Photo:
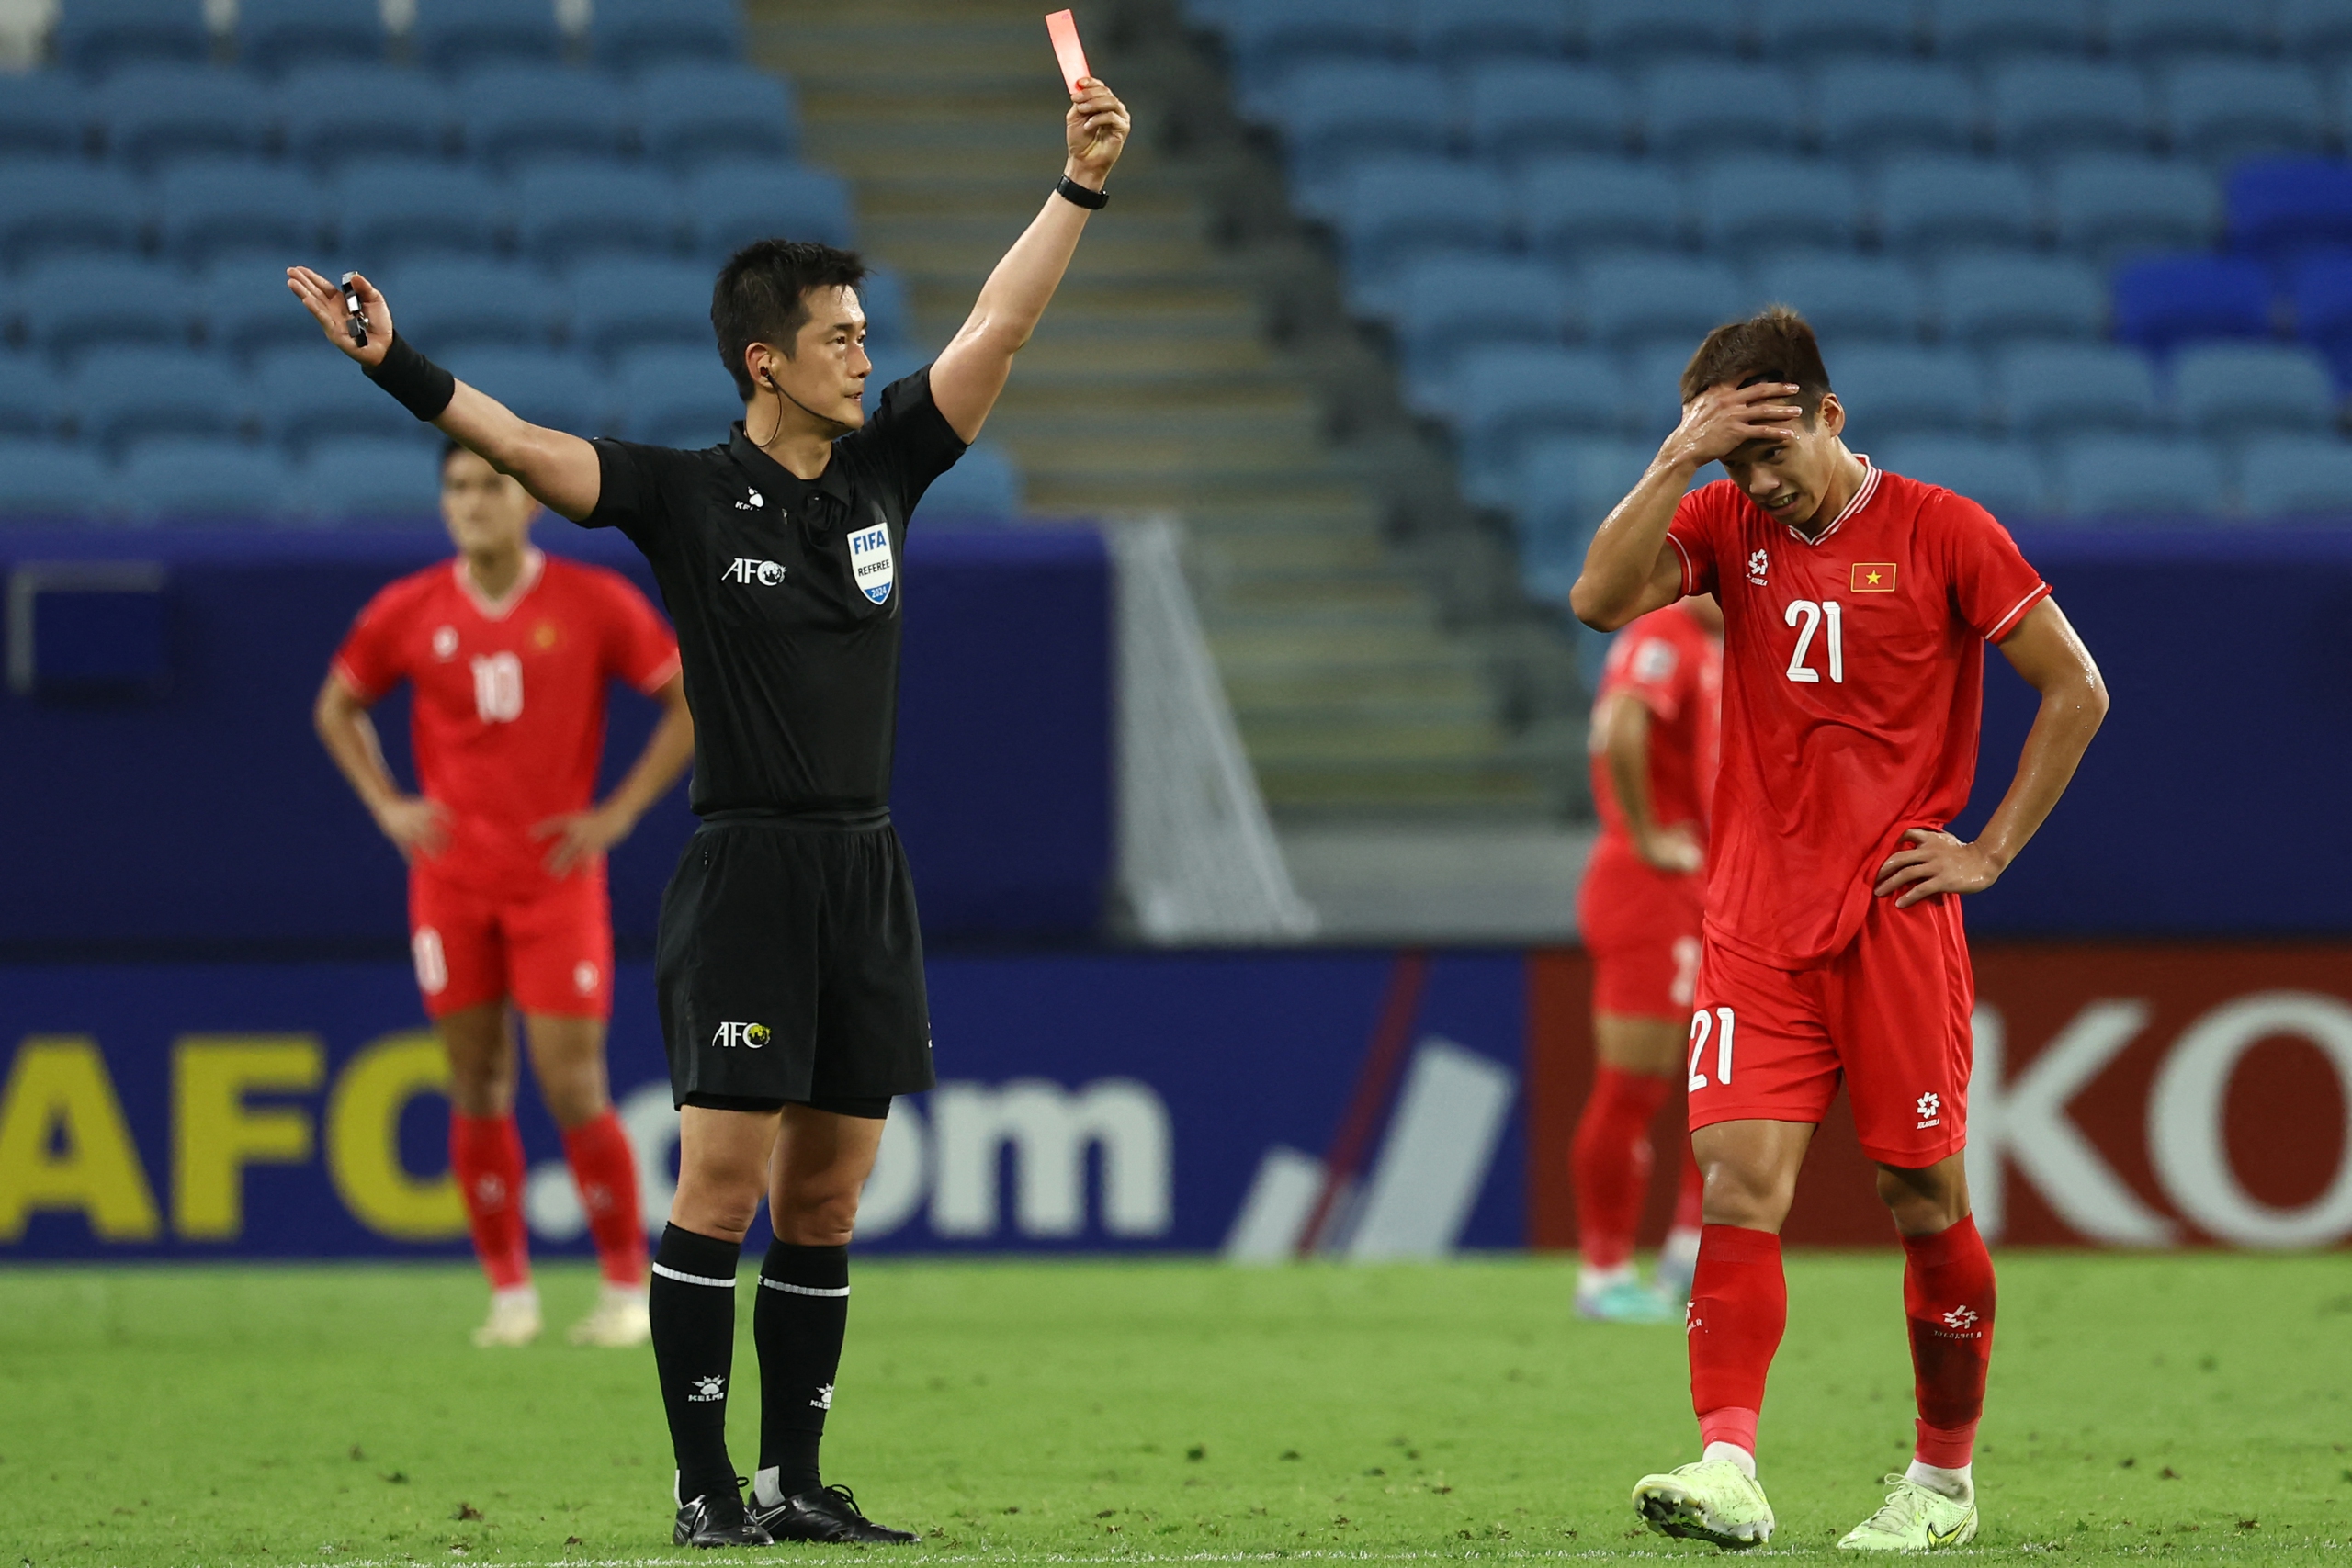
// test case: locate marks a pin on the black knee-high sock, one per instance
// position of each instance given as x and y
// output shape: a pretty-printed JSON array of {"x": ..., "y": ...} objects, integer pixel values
[
  {"x": 797, "y": 1325},
  {"x": 691, "y": 1299}
]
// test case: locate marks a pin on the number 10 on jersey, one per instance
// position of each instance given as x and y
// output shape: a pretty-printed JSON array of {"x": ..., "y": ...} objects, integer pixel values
[{"x": 1829, "y": 615}]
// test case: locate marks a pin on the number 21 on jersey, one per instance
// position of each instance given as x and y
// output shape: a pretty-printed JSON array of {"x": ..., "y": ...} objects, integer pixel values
[
  {"x": 1829, "y": 616},
  {"x": 1703, "y": 1024}
]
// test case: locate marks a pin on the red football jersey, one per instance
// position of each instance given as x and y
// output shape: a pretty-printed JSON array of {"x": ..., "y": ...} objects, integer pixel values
[
  {"x": 1668, "y": 662},
  {"x": 508, "y": 712},
  {"x": 1853, "y": 695}
]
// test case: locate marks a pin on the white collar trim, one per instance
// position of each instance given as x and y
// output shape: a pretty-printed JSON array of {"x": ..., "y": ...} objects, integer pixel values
[
  {"x": 533, "y": 564},
  {"x": 1862, "y": 493}
]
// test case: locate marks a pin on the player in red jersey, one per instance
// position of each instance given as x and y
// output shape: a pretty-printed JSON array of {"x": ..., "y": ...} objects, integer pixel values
[
  {"x": 1855, "y": 603},
  {"x": 1654, "y": 739},
  {"x": 507, "y": 653}
]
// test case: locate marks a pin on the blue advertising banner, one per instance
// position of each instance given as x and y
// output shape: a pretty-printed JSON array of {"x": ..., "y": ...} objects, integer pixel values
[{"x": 1086, "y": 1103}]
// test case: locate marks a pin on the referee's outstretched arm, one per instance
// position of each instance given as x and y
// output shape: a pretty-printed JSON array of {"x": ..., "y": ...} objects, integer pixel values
[
  {"x": 558, "y": 468},
  {"x": 970, "y": 371}
]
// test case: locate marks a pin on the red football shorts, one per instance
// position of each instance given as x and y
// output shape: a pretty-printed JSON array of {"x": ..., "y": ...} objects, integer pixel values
[
  {"x": 552, "y": 953},
  {"x": 1641, "y": 926},
  {"x": 1890, "y": 1014}
]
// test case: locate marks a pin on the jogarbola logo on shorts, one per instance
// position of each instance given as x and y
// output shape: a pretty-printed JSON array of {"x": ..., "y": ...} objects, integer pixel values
[
  {"x": 751, "y": 1036},
  {"x": 869, "y": 559}
]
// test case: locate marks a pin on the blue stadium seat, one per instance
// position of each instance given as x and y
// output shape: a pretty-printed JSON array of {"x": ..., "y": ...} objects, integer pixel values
[
  {"x": 45, "y": 114},
  {"x": 2107, "y": 204},
  {"x": 890, "y": 315},
  {"x": 617, "y": 305},
  {"x": 562, "y": 391},
  {"x": 451, "y": 302},
  {"x": 1755, "y": 206},
  {"x": 157, "y": 113},
  {"x": 1399, "y": 208},
  {"x": 395, "y": 208},
  {"x": 2140, "y": 477},
  {"x": 1633, "y": 300},
  {"x": 729, "y": 205},
  {"x": 696, "y": 113},
  {"x": 1977, "y": 30},
  {"x": 1623, "y": 31},
  {"x": 1577, "y": 206},
  {"x": 2280, "y": 206},
  {"x": 1532, "y": 110},
  {"x": 371, "y": 480},
  {"x": 2046, "y": 108},
  {"x": 2232, "y": 390},
  {"x": 464, "y": 35},
  {"x": 122, "y": 393},
  {"x": 310, "y": 393},
  {"x": 230, "y": 203},
  {"x": 1450, "y": 305},
  {"x": 71, "y": 306},
  {"x": 2005, "y": 477},
  {"x": 568, "y": 210},
  {"x": 2286, "y": 476},
  {"x": 678, "y": 397},
  {"x": 1453, "y": 32},
  {"x": 2165, "y": 300},
  {"x": 2315, "y": 30},
  {"x": 631, "y": 35},
  {"x": 514, "y": 113},
  {"x": 2052, "y": 391},
  {"x": 96, "y": 36},
  {"x": 1653, "y": 385},
  {"x": 1505, "y": 400},
  {"x": 2164, "y": 29},
  {"x": 333, "y": 114},
  {"x": 32, "y": 399},
  {"x": 2320, "y": 295},
  {"x": 1822, "y": 29},
  {"x": 1940, "y": 205},
  {"x": 1697, "y": 107},
  {"x": 49, "y": 206},
  {"x": 1566, "y": 487},
  {"x": 190, "y": 480},
  {"x": 279, "y": 35},
  {"x": 1337, "y": 116},
  {"x": 40, "y": 481},
  {"x": 2222, "y": 110},
  {"x": 242, "y": 304},
  {"x": 1990, "y": 300},
  {"x": 1268, "y": 41},
  {"x": 983, "y": 486},
  {"x": 1891, "y": 389},
  {"x": 1879, "y": 108},
  {"x": 1848, "y": 299}
]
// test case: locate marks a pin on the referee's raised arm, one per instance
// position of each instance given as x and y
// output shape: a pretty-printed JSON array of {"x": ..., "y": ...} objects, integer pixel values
[
  {"x": 970, "y": 371},
  {"x": 559, "y": 469}
]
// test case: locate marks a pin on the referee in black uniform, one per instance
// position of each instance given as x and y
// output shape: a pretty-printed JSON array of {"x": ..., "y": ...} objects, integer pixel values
[{"x": 790, "y": 964}]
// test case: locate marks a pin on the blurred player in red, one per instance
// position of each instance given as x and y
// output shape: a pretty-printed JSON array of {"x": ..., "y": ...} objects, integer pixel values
[
  {"x": 1856, "y": 606},
  {"x": 1654, "y": 745},
  {"x": 507, "y": 653}
]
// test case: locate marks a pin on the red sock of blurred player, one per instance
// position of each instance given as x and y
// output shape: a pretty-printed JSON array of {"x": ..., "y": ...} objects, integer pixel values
[
  {"x": 1948, "y": 1296},
  {"x": 1610, "y": 1163},
  {"x": 605, "y": 1169},
  {"x": 1739, "y": 1305},
  {"x": 486, "y": 1156}
]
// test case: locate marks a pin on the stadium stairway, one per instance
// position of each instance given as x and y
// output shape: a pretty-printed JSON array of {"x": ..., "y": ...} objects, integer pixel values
[{"x": 1367, "y": 686}]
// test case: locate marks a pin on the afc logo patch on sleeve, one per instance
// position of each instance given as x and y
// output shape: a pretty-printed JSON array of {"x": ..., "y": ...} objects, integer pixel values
[
  {"x": 1872, "y": 576},
  {"x": 869, "y": 560}
]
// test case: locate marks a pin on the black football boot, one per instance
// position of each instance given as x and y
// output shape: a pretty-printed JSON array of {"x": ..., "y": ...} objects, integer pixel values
[
  {"x": 717, "y": 1518},
  {"x": 827, "y": 1514}
]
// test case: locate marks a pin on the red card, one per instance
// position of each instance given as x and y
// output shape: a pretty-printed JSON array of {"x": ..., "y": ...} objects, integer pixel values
[{"x": 1062, "y": 27}]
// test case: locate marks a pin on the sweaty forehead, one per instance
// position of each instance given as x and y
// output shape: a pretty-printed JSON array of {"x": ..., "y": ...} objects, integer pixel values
[{"x": 830, "y": 307}]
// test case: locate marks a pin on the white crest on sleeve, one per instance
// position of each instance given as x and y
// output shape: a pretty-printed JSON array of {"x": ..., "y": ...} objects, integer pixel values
[{"x": 1654, "y": 660}]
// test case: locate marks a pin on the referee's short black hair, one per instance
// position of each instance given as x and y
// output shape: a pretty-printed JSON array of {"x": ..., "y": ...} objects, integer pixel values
[{"x": 762, "y": 296}]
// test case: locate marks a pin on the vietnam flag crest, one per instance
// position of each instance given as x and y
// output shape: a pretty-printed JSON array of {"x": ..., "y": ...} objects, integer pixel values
[{"x": 1872, "y": 577}]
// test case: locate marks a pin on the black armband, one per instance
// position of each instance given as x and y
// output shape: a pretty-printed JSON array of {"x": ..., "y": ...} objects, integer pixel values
[
  {"x": 1070, "y": 191},
  {"x": 415, "y": 382}
]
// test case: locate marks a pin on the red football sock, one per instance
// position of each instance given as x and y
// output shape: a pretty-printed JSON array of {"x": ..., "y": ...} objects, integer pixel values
[
  {"x": 1689, "y": 1204},
  {"x": 1948, "y": 1296},
  {"x": 605, "y": 1169},
  {"x": 486, "y": 1155},
  {"x": 1610, "y": 1162},
  {"x": 1739, "y": 1304}
]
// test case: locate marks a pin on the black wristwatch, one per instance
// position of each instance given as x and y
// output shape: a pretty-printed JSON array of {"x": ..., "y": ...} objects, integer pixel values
[{"x": 1071, "y": 191}]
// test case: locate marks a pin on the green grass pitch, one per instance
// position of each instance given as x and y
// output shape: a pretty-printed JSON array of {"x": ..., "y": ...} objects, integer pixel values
[{"x": 2188, "y": 1408}]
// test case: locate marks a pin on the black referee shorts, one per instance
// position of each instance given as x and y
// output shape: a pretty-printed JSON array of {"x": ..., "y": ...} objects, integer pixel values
[{"x": 791, "y": 967}]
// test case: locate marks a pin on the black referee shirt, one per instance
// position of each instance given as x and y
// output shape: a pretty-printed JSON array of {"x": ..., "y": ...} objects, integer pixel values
[{"x": 786, "y": 594}]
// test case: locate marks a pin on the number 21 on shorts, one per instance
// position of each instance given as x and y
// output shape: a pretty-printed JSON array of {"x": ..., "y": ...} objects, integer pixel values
[{"x": 1703, "y": 1023}]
